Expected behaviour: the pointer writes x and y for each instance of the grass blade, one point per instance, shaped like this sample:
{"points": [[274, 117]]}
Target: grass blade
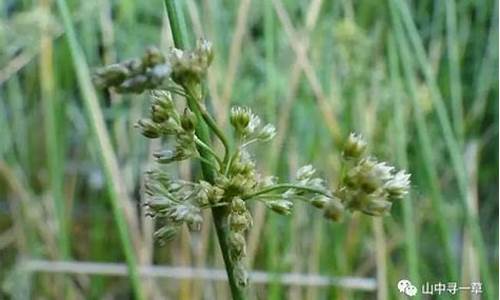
{"points": [[110, 165]]}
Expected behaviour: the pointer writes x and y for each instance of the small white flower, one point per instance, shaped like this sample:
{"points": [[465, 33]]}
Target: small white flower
{"points": [[399, 185], [253, 124], [305, 172], [383, 171], [267, 133]]}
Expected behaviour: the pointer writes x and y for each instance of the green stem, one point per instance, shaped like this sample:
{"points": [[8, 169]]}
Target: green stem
{"points": [[220, 214], [208, 119], [230, 161], [287, 186], [209, 150]]}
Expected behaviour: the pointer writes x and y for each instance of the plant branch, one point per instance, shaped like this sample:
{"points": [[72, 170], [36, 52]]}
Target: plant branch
{"points": [[208, 119], [287, 186], [209, 150]]}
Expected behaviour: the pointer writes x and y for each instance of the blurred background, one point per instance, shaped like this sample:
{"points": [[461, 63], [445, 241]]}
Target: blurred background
{"points": [[418, 79]]}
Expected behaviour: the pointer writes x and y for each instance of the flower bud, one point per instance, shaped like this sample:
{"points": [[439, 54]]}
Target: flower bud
{"points": [[157, 203], [240, 274], [238, 206], [158, 113], [238, 222], [168, 156], [111, 75], [153, 57], [149, 128], [237, 245], [240, 118], [188, 120], [134, 66], [305, 172], [205, 51], [268, 181], [377, 207], [194, 222], [354, 147], [319, 201], [267, 133], [282, 207], [163, 98], [334, 210], [136, 84], [165, 233]]}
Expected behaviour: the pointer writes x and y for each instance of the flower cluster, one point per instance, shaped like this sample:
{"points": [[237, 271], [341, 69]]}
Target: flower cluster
{"points": [[166, 121], [247, 125], [135, 75], [239, 221], [177, 202], [154, 68], [368, 185], [365, 184], [191, 66]]}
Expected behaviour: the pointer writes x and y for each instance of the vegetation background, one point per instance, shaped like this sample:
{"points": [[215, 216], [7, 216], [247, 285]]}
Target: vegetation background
{"points": [[418, 79]]}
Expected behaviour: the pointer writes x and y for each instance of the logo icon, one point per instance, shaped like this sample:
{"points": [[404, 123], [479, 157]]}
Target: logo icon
{"points": [[405, 287]]}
